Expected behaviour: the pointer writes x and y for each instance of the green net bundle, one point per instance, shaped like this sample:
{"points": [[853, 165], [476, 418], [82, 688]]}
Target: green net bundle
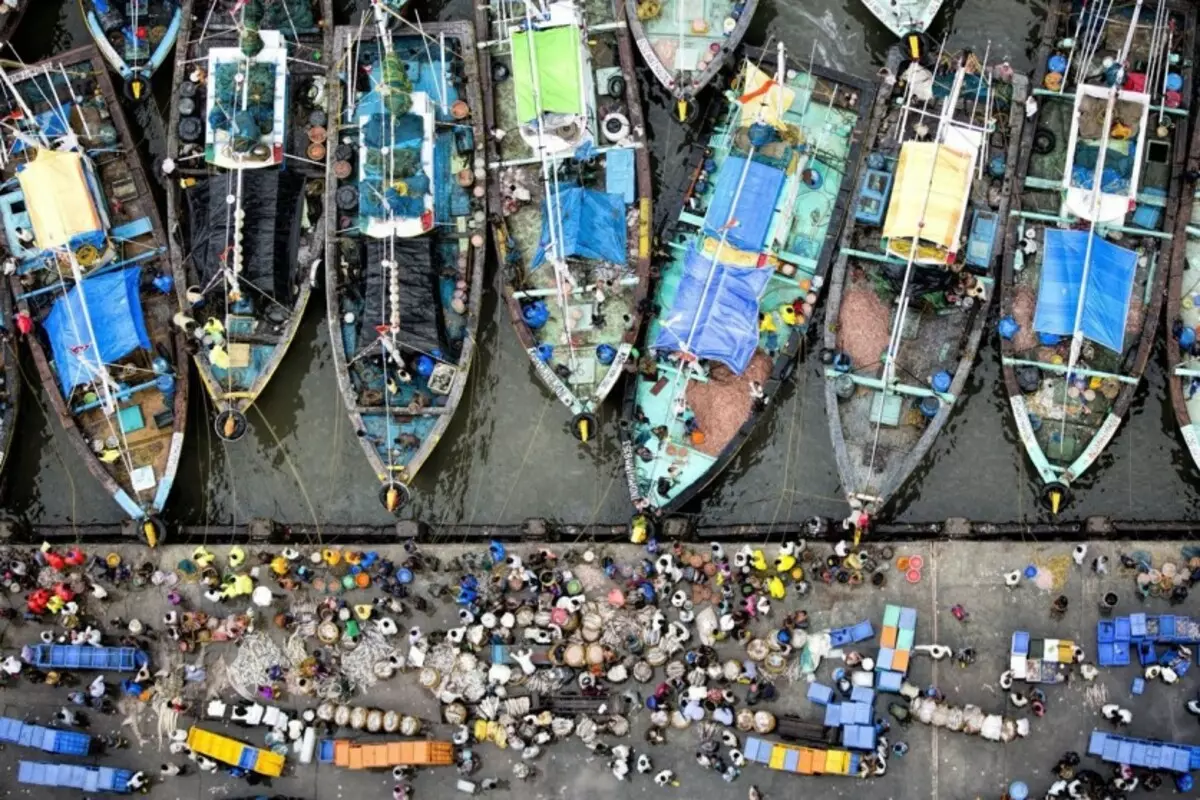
{"points": [[257, 119], [394, 86], [281, 15]]}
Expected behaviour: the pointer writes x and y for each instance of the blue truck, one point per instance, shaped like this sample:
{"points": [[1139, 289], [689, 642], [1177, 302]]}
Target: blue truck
{"points": [[75, 776], [67, 743], [76, 656]]}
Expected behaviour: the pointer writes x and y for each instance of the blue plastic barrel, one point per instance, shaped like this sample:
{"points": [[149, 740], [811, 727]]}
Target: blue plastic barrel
{"points": [[164, 283], [710, 165], [929, 406], [605, 354], [813, 179], [1035, 422], [1008, 327], [875, 161], [425, 366], [545, 351], [998, 166], [1049, 339], [941, 381], [1174, 82], [404, 575], [1057, 63], [536, 315], [1187, 337]]}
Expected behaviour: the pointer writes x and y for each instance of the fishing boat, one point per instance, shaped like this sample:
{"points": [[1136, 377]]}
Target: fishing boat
{"points": [[406, 195], [1183, 308], [686, 43], [10, 375], [748, 257], [11, 12], [135, 37], [570, 190], [905, 18], [245, 167], [1089, 247], [916, 267], [91, 278]]}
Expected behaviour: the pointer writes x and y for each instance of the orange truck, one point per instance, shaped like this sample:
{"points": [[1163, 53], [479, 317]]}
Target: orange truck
{"points": [[359, 755]]}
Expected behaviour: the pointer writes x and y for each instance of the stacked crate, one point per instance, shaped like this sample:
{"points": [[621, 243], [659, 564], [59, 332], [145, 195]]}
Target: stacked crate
{"points": [[801, 760], [895, 647]]}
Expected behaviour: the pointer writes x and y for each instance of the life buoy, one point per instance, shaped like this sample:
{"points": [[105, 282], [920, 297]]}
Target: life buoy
{"points": [[615, 127], [231, 425]]}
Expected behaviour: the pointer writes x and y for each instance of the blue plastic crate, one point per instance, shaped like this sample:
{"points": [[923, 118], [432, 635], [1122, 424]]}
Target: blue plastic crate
{"points": [[889, 681], [1138, 687], [325, 750], [1138, 758], [1146, 652], [1020, 643], [820, 694], [908, 619], [884, 660], [833, 715], [1106, 632], [1096, 743], [1166, 628], [863, 694], [1122, 629], [1137, 624], [862, 631], [839, 637], [1115, 654], [863, 714], [248, 758]]}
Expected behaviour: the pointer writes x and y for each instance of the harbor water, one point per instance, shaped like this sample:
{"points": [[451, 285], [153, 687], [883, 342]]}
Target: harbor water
{"points": [[509, 455]]}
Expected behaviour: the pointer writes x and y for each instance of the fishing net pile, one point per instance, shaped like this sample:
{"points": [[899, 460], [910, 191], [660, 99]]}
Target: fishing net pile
{"points": [[724, 403], [246, 112], [394, 181], [283, 15], [864, 325]]}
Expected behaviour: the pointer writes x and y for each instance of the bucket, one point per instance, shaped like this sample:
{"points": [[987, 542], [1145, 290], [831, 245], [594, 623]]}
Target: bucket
{"points": [[1107, 603]]}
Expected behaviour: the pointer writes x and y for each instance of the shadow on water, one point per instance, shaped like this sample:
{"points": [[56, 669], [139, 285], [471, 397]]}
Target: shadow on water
{"points": [[508, 455]]}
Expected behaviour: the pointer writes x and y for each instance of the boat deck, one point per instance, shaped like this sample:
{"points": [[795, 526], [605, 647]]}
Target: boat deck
{"points": [[402, 399], [589, 330], [1065, 424], [881, 433], [136, 447], [283, 230], [689, 416]]}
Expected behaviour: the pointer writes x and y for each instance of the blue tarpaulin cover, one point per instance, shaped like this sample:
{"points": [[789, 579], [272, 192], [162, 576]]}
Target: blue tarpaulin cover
{"points": [[1106, 299], [727, 326], [593, 226], [116, 313], [620, 173], [751, 219]]}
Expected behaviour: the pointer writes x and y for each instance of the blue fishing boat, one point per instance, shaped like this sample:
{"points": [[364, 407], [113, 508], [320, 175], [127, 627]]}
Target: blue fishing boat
{"points": [[11, 12], [247, 141], [92, 282], [406, 204], [747, 261], [135, 37], [1091, 244]]}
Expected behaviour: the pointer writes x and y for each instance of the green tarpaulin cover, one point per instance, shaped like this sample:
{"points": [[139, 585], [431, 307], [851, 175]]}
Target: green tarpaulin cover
{"points": [[557, 57]]}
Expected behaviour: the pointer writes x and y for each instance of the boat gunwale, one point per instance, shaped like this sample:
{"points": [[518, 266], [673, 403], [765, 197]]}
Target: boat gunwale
{"points": [[893, 479], [175, 208], [90, 53], [13, 22], [12, 376], [785, 363], [644, 202], [654, 63], [465, 31], [1154, 310]]}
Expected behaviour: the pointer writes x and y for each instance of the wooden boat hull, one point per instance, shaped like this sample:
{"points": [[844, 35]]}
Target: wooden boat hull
{"points": [[398, 440], [10, 392], [160, 447], [877, 455], [1061, 460], [165, 20], [232, 392], [515, 235], [690, 468], [903, 17], [684, 86]]}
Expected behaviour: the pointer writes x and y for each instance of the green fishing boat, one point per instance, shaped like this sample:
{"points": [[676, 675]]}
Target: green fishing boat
{"points": [[685, 43], [905, 17], [748, 257], [1090, 246]]}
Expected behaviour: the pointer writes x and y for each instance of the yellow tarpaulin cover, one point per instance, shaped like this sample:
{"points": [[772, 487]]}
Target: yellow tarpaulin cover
{"points": [[57, 198], [758, 97], [947, 184]]}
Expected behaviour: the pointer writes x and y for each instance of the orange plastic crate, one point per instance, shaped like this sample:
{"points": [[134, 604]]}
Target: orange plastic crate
{"points": [[888, 637], [900, 660], [806, 761]]}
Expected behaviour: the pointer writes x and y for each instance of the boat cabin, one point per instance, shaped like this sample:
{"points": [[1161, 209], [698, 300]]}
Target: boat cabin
{"points": [[247, 102]]}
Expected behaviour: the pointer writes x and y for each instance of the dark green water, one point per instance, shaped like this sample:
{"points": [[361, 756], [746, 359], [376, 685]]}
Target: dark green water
{"points": [[508, 454]]}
